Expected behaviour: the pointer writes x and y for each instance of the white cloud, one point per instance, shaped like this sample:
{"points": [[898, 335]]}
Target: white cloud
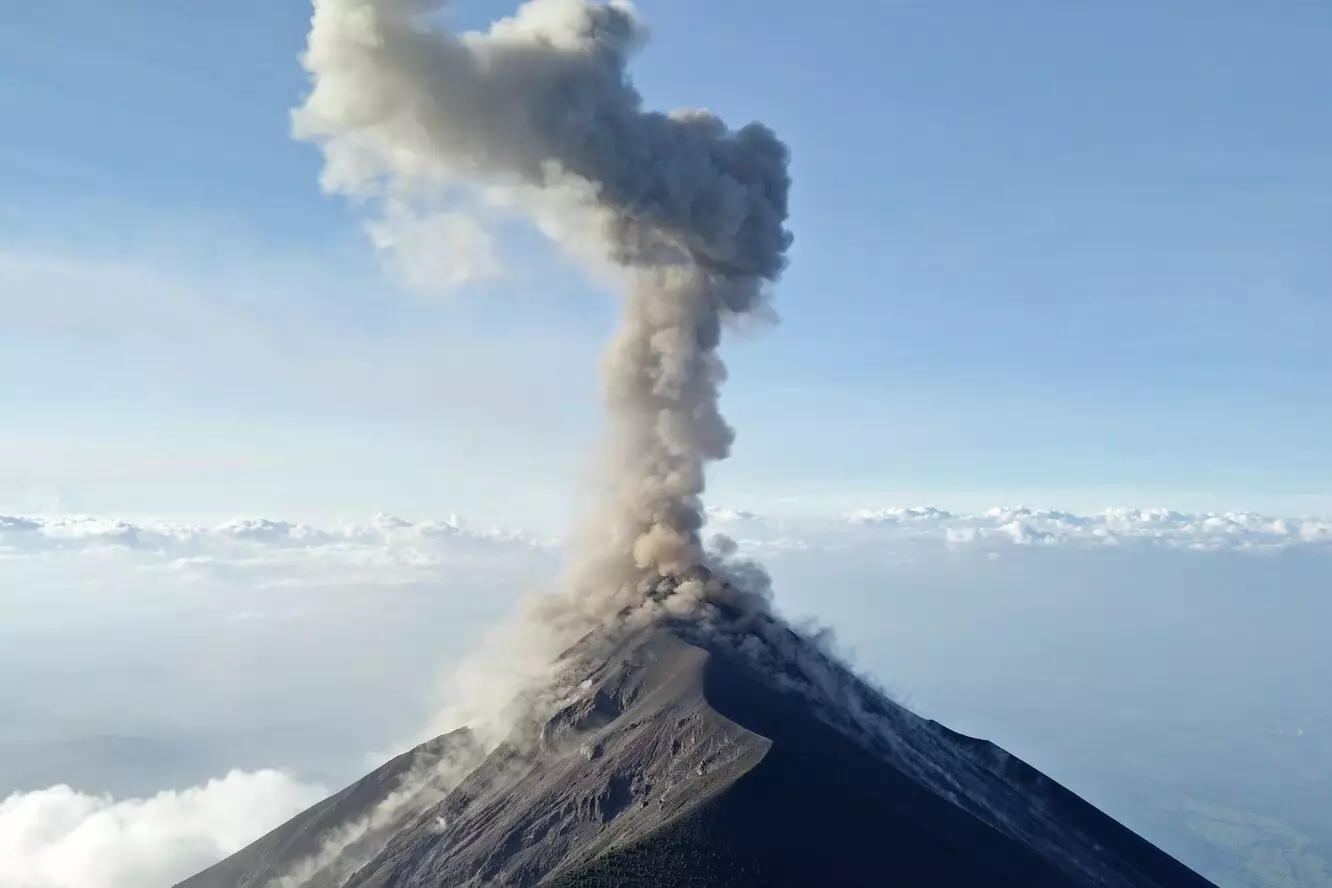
{"points": [[1157, 528], [385, 550], [62, 838]]}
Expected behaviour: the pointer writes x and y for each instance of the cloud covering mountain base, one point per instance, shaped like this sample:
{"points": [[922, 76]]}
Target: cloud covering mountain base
{"points": [[62, 838]]}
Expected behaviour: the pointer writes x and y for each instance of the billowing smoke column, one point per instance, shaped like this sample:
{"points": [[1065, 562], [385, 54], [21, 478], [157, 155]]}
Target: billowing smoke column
{"points": [[538, 113]]}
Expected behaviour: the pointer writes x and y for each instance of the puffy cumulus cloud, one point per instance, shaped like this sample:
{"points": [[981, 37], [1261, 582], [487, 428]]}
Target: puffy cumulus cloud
{"points": [[62, 838]]}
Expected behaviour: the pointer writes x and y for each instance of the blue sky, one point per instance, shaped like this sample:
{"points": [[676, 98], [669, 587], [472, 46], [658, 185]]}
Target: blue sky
{"points": [[1069, 257]]}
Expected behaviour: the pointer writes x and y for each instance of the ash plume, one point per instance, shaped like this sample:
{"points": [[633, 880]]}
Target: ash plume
{"points": [[538, 113]]}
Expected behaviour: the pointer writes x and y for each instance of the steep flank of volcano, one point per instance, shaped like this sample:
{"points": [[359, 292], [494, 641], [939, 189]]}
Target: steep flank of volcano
{"points": [[676, 762], [358, 821]]}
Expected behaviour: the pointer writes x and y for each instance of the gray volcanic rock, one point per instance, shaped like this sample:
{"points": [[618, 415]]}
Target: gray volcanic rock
{"points": [[682, 759], [357, 821]]}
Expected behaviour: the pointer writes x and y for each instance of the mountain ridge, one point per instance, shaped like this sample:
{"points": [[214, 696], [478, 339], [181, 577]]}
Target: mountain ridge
{"points": [[680, 760]]}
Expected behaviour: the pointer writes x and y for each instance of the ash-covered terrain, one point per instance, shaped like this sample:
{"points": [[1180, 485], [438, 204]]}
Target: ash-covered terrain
{"points": [[681, 759]]}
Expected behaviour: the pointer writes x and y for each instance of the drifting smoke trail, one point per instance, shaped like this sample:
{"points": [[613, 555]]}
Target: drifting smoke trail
{"points": [[538, 113]]}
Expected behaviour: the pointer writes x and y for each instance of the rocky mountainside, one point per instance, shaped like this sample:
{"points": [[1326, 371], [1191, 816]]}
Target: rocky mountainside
{"points": [[682, 758]]}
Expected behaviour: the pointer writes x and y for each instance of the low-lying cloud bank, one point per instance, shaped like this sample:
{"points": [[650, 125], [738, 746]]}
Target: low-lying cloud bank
{"points": [[222, 585], [77, 532], [62, 838], [1234, 531], [388, 541], [1001, 527], [273, 553]]}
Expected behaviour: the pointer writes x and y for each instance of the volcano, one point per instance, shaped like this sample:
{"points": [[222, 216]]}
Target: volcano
{"points": [[682, 756], [690, 738]]}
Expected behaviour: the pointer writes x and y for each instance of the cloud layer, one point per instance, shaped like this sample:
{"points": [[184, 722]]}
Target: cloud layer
{"points": [[385, 550], [61, 838], [412, 549], [77, 532], [1157, 528], [138, 603]]}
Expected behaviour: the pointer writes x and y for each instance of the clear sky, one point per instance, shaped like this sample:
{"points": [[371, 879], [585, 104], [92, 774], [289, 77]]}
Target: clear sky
{"points": [[1068, 255]]}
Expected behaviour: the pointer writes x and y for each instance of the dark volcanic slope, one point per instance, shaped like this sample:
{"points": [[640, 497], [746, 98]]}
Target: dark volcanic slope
{"points": [[675, 766], [348, 817]]}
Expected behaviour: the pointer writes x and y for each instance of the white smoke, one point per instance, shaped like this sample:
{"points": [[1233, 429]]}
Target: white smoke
{"points": [[538, 114], [61, 838]]}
